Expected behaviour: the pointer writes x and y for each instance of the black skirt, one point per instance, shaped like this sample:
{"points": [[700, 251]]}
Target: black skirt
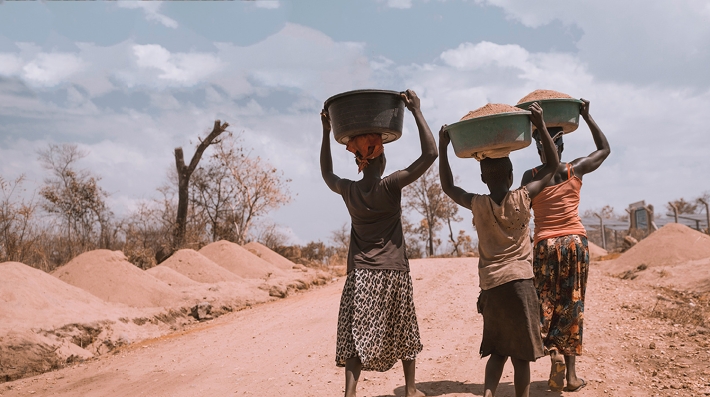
{"points": [[511, 321]]}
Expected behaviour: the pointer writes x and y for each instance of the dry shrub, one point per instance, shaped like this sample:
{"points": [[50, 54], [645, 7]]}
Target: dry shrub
{"points": [[681, 307]]}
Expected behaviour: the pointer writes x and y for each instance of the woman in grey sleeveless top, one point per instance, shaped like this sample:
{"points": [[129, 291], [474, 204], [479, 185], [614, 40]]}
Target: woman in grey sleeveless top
{"points": [[377, 323]]}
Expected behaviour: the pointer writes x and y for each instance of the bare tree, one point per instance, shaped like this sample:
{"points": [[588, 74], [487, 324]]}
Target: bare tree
{"points": [[76, 199], [270, 235], [259, 187], [606, 212], [17, 228], [684, 207], [411, 240], [341, 239], [213, 194], [460, 242], [184, 173], [425, 197]]}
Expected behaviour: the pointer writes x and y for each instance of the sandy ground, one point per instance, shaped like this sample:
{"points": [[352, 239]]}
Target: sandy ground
{"points": [[287, 347]]}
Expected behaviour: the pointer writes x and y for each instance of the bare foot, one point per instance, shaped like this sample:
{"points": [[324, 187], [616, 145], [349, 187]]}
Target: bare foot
{"points": [[416, 393], [557, 371], [575, 385]]}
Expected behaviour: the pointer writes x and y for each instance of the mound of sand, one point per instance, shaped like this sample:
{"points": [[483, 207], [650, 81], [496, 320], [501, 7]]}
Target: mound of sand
{"points": [[239, 260], [171, 277], [31, 298], [489, 109], [670, 245], [542, 94], [109, 275], [596, 252], [198, 267], [270, 256]]}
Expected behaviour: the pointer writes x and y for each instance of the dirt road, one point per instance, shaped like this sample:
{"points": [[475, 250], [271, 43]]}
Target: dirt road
{"points": [[288, 348]]}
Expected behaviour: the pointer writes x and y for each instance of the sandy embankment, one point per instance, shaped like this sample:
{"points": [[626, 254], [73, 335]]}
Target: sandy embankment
{"points": [[99, 301]]}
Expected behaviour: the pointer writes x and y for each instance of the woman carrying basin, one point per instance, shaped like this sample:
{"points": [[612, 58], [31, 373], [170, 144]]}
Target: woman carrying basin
{"points": [[560, 250], [377, 323]]}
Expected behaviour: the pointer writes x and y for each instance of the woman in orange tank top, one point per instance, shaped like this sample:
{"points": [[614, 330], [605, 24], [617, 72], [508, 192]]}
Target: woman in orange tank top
{"points": [[561, 256]]}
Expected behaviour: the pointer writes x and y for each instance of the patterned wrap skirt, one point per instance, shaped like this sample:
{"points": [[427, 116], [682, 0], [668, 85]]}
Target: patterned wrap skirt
{"points": [[511, 321], [377, 322], [561, 266]]}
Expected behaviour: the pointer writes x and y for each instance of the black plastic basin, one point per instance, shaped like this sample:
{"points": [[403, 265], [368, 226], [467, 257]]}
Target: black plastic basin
{"points": [[361, 112]]}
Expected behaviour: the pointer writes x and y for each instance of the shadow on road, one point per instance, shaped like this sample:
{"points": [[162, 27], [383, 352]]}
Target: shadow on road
{"points": [[446, 387]]}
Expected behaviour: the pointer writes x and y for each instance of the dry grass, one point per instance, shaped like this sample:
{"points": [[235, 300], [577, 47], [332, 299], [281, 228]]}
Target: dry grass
{"points": [[681, 307]]}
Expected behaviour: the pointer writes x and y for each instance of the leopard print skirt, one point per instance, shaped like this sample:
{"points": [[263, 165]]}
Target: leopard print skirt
{"points": [[377, 322]]}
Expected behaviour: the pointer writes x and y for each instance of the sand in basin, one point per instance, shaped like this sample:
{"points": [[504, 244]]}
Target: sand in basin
{"points": [[239, 260], [108, 275], [31, 298], [542, 94], [270, 256], [198, 267], [670, 245], [489, 109], [171, 277]]}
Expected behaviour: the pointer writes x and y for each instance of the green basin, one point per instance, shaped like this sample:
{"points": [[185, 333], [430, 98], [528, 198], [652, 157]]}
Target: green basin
{"points": [[559, 112], [505, 131]]}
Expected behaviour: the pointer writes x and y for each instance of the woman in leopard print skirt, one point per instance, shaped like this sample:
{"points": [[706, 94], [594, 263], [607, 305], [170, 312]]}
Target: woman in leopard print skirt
{"points": [[377, 323]]}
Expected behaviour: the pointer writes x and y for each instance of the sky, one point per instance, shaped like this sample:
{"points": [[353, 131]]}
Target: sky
{"points": [[130, 81]]}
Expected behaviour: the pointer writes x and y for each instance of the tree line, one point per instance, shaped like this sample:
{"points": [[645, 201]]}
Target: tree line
{"points": [[222, 193]]}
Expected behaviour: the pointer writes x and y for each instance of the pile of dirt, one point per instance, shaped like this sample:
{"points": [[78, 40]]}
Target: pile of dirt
{"points": [[673, 244], [270, 256], [489, 109], [240, 261], [31, 298], [171, 277], [542, 94], [198, 267], [596, 252], [108, 275]]}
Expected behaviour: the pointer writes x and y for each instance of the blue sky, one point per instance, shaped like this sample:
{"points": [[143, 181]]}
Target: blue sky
{"points": [[130, 81]]}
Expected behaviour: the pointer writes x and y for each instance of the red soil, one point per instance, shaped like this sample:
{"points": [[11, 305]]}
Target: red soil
{"points": [[32, 298], [108, 275], [198, 267], [489, 109], [596, 252], [240, 261], [270, 256], [171, 277], [542, 94], [672, 244]]}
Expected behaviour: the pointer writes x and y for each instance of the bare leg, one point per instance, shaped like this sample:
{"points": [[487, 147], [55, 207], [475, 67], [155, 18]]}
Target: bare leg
{"points": [[494, 370], [409, 376], [557, 371], [353, 366], [573, 382], [521, 378]]}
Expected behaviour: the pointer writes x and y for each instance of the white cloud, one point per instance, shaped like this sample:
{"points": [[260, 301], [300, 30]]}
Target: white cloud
{"points": [[635, 40], [10, 64], [401, 4], [634, 117], [180, 68], [268, 4], [150, 10], [470, 56], [272, 91], [50, 69]]}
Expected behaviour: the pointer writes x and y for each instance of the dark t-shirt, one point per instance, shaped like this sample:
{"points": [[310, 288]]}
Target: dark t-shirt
{"points": [[376, 238]]}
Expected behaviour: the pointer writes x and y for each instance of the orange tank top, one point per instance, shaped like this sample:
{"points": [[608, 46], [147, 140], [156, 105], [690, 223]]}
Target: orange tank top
{"points": [[556, 209]]}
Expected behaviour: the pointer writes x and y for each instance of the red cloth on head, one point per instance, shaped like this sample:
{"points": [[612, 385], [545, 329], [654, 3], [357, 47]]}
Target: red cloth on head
{"points": [[366, 147]]}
